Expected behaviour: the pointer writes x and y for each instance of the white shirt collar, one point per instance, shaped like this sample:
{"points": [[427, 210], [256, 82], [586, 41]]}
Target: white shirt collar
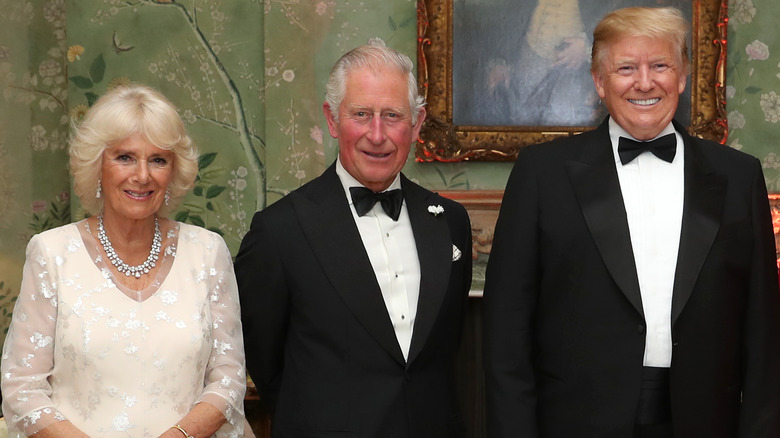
{"points": [[616, 131], [348, 180]]}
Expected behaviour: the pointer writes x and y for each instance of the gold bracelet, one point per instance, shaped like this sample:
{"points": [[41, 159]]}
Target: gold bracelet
{"points": [[181, 429]]}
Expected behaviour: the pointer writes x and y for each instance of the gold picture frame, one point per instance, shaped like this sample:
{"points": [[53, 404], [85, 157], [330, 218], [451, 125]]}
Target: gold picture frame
{"points": [[441, 140], [774, 208]]}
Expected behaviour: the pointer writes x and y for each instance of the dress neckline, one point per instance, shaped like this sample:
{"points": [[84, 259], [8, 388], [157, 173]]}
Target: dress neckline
{"points": [[167, 257]]}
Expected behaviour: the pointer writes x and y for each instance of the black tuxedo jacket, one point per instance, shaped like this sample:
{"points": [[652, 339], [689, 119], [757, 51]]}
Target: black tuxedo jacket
{"points": [[564, 326], [320, 345]]}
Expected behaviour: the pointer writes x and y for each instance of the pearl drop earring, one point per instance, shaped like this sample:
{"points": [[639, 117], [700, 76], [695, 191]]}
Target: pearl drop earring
{"points": [[99, 190]]}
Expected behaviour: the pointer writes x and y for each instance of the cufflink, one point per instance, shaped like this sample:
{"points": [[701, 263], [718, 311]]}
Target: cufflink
{"points": [[455, 253]]}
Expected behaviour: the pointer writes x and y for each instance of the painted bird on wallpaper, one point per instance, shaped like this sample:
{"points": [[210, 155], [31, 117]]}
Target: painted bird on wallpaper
{"points": [[117, 45]]}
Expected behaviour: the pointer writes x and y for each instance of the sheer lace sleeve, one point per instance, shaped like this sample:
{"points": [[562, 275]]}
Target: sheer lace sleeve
{"points": [[225, 380], [28, 353]]}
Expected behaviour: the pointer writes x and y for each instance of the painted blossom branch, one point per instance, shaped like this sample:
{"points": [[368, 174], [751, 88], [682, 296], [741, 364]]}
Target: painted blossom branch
{"points": [[245, 137], [229, 127], [42, 93]]}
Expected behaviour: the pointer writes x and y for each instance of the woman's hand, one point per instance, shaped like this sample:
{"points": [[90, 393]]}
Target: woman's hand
{"points": [[172, 433], [201, 422]]}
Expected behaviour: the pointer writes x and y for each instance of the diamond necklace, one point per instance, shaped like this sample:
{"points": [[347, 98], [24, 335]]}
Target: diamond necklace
{"points": [[121, 266]]}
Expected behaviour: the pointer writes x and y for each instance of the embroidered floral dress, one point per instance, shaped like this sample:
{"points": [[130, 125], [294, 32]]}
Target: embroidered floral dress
{"points": [[118, 362]]}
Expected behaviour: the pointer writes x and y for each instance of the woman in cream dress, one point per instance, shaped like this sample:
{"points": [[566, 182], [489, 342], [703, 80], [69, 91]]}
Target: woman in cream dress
{"points": [[127, 323]]}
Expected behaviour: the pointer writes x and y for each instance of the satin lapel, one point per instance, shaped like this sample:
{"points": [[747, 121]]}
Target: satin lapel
{"points": [[327, 221], [434, 249], [703, 206], [596, 186]]}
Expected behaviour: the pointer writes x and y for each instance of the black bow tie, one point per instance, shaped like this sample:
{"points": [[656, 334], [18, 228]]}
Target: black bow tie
{"points": [[364, 200], [662, 147]]}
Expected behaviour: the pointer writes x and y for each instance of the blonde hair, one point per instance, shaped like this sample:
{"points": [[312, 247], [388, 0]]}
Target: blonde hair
{"points": [[656, 23], [116, 116], [378, 57]]}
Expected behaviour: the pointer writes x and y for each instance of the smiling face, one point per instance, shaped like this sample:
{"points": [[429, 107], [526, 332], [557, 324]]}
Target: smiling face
{"points": [[640, 82], [135, 175], [374, 127]]}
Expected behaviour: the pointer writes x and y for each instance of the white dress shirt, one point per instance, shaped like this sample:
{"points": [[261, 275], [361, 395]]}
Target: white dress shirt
{"points": [[653, 196], [393, 253]]}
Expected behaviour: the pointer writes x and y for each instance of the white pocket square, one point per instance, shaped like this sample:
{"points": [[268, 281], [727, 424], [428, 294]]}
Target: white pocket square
{"points": [[455, 253]]}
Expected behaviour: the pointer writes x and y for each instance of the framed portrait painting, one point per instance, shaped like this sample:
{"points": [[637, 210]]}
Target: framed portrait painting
{"points": [[500, 74]]}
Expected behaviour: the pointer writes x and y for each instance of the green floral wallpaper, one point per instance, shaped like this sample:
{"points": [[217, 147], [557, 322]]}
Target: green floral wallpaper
{"points": [[753, 83], [34, 125], [248, 77]]}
